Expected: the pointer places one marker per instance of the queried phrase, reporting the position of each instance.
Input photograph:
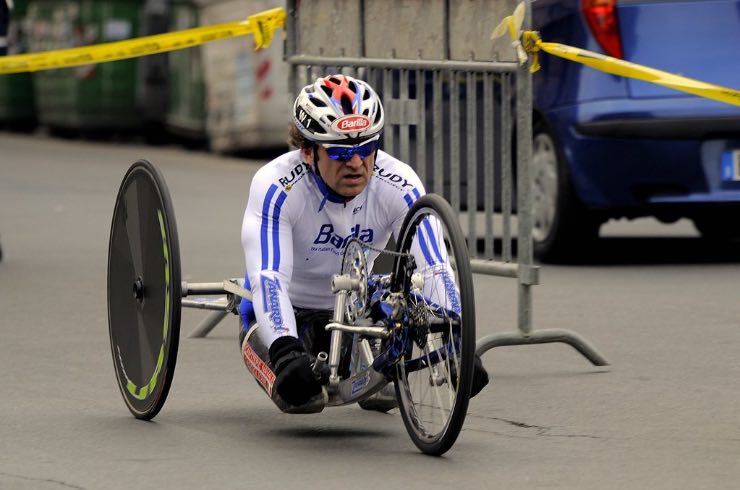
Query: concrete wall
(405, 29)
(330, 28)
(247, 96)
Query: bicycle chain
(384, 251)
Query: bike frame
(377, 371)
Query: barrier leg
(543, 337)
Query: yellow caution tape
(513, 25)
(531, 43)
(261, 25)
(615, 66)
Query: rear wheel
(144, 290)
(434, 377)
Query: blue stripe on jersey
(428, 227)
(422, 243)
(276, 231)
(266, 224)
(409, 200)
(433, 240)
(424, 246)
(246, 308)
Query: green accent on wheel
(166, 310)
(166, 289)
(148, 388)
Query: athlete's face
(348, 178)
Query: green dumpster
(186, 112)
(17, 107)
(100, 96)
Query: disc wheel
(144, 290)
(433, 379)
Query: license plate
(731, 166)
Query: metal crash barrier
(457, 110)
(456, 120)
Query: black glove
(295, 381)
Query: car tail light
(601, 16)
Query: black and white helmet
(338, 109)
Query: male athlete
(303, 207)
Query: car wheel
(718, 224)
(562, 226)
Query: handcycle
(414, 326)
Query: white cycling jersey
(295, 230)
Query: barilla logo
(351, 124)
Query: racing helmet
(338, 109)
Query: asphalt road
(663, 308)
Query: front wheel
(434, 377)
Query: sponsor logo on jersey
(351, 124)
(271, 301)
(392, 178)
(450, 290)
(298, 172)
(327, 235)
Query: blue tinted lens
(346, 152)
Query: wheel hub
(138, 289)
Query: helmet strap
(316, 160)
(333, 195)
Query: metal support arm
(543, 337)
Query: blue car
(610, 147)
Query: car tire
(562, 226)
(718, 225)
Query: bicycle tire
(144, 290)
(451, 373)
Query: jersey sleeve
(268, 252)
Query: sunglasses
(345, 152)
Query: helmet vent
(346, 105)
(326, 90)
(378, 115)
(318, 102)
